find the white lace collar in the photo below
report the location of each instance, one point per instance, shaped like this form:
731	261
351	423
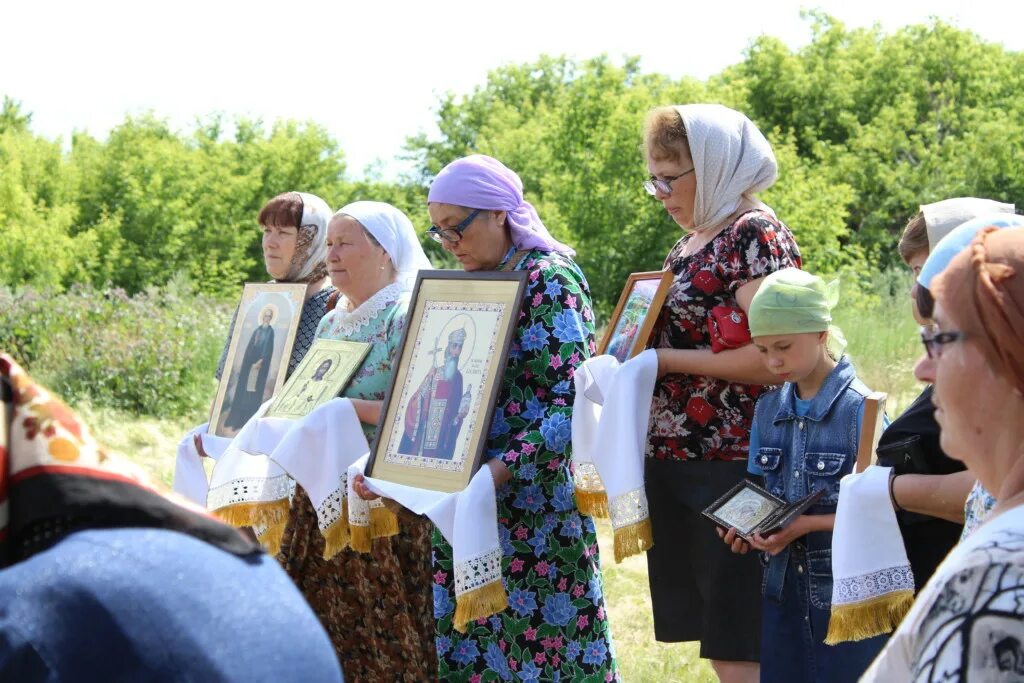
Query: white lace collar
347	323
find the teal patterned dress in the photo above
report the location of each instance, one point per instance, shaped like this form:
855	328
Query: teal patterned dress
556	626
376	607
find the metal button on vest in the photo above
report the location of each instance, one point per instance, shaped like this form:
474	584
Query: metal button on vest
821	465
800	568
800	424
796	475
764	459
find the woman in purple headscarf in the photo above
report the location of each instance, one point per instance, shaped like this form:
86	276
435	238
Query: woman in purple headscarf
556	625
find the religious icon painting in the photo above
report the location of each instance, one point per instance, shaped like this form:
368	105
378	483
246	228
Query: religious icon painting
629	330
323	374
257	360
438	411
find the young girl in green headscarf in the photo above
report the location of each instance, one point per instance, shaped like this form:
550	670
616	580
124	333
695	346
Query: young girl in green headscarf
804	438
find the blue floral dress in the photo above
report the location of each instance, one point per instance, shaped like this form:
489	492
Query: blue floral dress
556	626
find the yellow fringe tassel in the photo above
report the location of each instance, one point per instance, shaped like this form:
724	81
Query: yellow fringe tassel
593	503
272	516
479	603
271	538
869	618
383	522
633	539
337	535
360	538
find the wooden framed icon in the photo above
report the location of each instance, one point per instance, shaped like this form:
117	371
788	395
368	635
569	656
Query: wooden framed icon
258	353
324	373
438	410
870	430
629	330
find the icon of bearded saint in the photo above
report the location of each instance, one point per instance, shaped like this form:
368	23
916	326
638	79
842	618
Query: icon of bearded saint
435	413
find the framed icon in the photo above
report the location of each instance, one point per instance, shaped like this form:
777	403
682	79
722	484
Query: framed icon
438	410
629	330
258	353
323	374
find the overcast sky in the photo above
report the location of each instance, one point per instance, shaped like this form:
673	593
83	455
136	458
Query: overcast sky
372	72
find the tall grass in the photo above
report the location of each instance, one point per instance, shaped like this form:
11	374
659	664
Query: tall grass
875	316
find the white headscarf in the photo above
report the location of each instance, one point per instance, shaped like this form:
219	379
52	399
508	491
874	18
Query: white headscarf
941	217
313	226
394	232
732	158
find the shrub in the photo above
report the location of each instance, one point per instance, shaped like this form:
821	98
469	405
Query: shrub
153	353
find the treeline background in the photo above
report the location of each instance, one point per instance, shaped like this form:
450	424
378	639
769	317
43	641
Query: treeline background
866	126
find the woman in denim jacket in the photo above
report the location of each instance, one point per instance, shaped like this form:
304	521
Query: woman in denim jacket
804	439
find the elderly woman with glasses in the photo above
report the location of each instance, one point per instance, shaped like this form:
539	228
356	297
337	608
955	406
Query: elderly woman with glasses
706	162
968	621
556	625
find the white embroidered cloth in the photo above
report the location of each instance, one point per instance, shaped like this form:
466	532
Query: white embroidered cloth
190	478
245	473
316	451
467	519
610	432
869	560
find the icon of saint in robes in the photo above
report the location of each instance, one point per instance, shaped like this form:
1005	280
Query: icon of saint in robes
252	380
308	397
435	413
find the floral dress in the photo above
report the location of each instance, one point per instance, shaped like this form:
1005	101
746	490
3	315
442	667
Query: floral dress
556	626
376	607
694	416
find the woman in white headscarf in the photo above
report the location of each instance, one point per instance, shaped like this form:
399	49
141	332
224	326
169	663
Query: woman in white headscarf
706	162
294	227
377	607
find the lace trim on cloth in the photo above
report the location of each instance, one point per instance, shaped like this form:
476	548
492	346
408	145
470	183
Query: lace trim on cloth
628	509
329	511
347	323
478	571
249	490
869	586
586	478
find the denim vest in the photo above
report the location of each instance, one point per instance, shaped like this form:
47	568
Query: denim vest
800	455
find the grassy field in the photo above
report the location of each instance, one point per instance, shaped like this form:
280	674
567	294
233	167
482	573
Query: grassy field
882	341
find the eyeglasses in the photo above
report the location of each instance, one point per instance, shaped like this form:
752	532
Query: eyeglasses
454	234
934	340
654	184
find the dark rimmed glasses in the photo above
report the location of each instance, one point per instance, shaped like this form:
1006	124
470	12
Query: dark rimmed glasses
453	234
934	339
653	185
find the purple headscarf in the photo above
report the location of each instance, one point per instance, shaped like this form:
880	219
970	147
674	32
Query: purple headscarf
483	182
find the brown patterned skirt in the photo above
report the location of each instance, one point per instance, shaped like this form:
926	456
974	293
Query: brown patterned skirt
377	607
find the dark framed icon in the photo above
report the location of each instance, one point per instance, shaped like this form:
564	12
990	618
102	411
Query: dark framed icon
438	410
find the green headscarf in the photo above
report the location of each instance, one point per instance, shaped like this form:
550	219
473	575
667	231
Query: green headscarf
793	301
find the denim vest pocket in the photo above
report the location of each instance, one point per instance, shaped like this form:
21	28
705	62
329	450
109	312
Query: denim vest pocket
770	460
819	569
824	470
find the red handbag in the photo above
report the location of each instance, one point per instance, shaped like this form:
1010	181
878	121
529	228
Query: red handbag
727	326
